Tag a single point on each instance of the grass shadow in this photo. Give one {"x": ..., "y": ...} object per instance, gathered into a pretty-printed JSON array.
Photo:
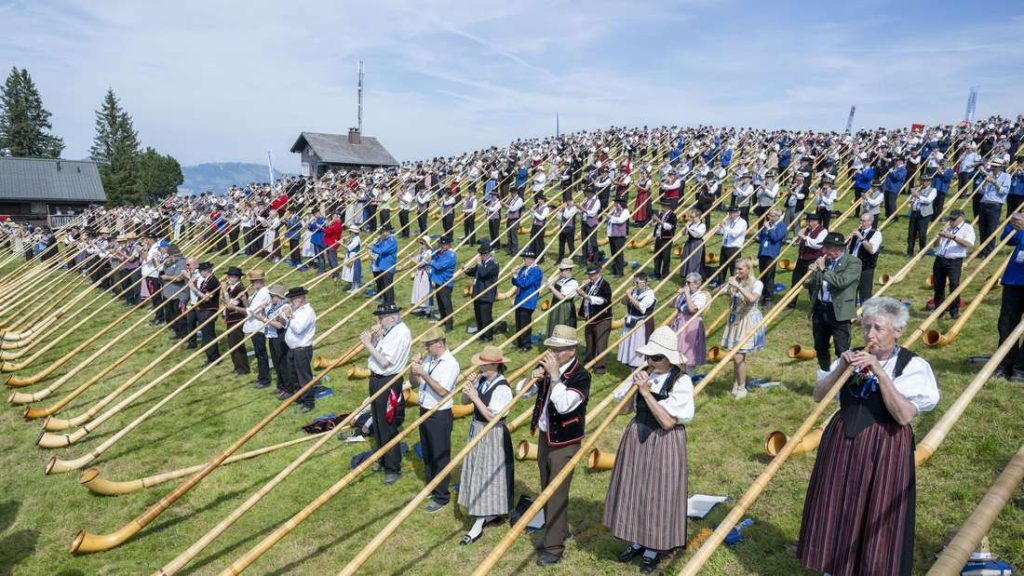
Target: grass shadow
[{"x": 16, "y": 547}]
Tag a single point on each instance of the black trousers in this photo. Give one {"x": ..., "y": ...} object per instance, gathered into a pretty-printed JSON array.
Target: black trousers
[
  {"x": 724, "y": 254},
  {"x": 891, "y": 201},
  {"x": 384, "y": 216},
  {"x": 448, "y": 223},
  {"x": 469, "y": 227},
  {"x": 385, "y": 289},
  {"x": 566, "y": 242},
  {"x": 300, "y": 372},
  {"x": 1010, "y": 312},
  {"x": 766, "y": 265},
  {"x": 596, "y": 333},
  {"x": 799, "y": 271},
  {"x": 259, "y": 346},
  {"x": 537, "y": 241},
  {"x": 662, "y": 257},
  {"x": 494, "y": 231},
  {"x": 857, "y": 193},
  {"x": 866, "y": 286},
  {"x": 179, "y": 320},
  {"x": 512, "y": 236},
  {"x": 279, "y": 356},
  {"x": 824, "y": 216},
  {"x": 294, "y": 254},
  {"x": 233, "y": 235},
  {"x": 236, "y": 343},
  {"x": 589, "y": 238},
  {"x": 421, "y": 220},
  {"x": 939, "y": 204},
  {"x": 988, "y": 224},
  {"x": 371, "y": 217},
  {"x": 946, "y": 270},
  {"x": 209, "y": 332},
  {"x": 524, "y": 318},
  {"x": 436, "y": 441},
  {"x": 443, "y": 299},
  {"x": 827, "y": 330},
  {"x": 403, "y": 223},
  {"x": 617, "y": 244},
  {"x": 383, "y": 430},
  {"x": 482, "y": 312},
  {"x": 918, "y": 230},
  {"x": 1013, "y": 202}
]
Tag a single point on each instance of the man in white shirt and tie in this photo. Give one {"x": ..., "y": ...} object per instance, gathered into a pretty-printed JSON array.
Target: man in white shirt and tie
[
  {"x": 387, "y": 344},
  {"x": 954, "y": 241},
  {"x": 299, "y": 338},
  {"x": 253, "y": 328},
  {"x": 436, "y": 375},
  {"x": 733, "y": 230}
]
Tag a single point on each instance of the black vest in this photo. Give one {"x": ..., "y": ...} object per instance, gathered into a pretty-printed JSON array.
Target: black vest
[
  {"x": 859, "y": 413},
  {"x": 485, "y": 397},
  {"x": 564, "y": 429},
  {"x": 867, "y": 259},
  {"x": 645, "y": 421}
]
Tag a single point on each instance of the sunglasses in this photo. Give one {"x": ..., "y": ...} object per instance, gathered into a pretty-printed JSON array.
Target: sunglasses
[{"x": 657, "y": 358}]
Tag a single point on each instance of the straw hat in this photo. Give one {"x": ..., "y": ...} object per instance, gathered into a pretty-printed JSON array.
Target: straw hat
[
  {"x": 562, "y": 337},
  {"x": 663, "y": 342},
  {"x": 432, "y": 334},
  {"x": 565, "y": 264},
  {"x": 276, "y": 290},
  {"x": 489, "y": 355},
  {"x": 256, "y": 274}
]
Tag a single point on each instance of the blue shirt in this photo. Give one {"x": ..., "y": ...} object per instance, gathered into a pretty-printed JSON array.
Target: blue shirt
[
  {"x": 862, "y": 179},
  {"x": 784, "y": 159},
  {"x": 385, "y": 254},
  {"x": 1017, "y": 184},
  {"x": 442, "y": 268},
  {"x": 894, "y": 180},
  {"x": 770, "y": 241},
  {"x": 317, "y": 228},
  {"x": 726, "y": 158},
  {"x": 1014, "y": 274},
  {"x": 528, "y": 280},
  {"x": 521, "y": 176},
  {"x": 294, "y": 225},
  {"x": 941, "y": 180},
  {"x": 996, "y": 193}
]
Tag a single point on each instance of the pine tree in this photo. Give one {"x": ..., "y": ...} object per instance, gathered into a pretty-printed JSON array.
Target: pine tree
[
  {"x": 159, "y": 176},
  {"x": 24, "y": 123},
  {"x": 116, "y": 148}
]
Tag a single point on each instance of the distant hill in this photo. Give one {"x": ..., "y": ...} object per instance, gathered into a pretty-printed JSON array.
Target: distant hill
[{"x": 219, "y": 176}]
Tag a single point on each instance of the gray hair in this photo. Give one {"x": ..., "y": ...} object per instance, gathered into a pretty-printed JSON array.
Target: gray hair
[
  {"x": 889, "y": 308},
  {"x": 694, "y": 277}
]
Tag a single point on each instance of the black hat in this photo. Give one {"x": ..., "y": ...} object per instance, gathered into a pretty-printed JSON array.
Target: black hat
[
  {"x": 733, "y": 207},
  {"x": 485, "y": 247},
  {"x": 234, "y": 271},
  {"x": 667, "y": 202},
  {"x": 206, "y": 266},
  {"x": 444, "y": 239},
  {"x": 593, "y": 268},
  {"x": 812, "y": 216},
  {"x": 528, "y": 254},
  {"x": 385, "y": 309},
  {"x": 834, "y": 239},
  {"x": 387, "y": 227},
  {"x": 621, "y": 200},
  {"x": 954, "y": 214},
  {"x": 295, "y": 292}
]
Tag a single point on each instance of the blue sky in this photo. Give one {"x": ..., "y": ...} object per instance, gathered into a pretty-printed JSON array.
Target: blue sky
[{"x": 226, "y": 81}]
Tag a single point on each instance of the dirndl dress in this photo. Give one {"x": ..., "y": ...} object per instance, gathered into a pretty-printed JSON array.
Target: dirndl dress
[
  {"x": 486, "y": 486},
  {"x": 693, "y": 344},
  {"x": 694, "y": 246},
  {"x": 352, "y": 272},
  {"x": 564, "y": 313},
  {"x": 421, "y": 282},
  {"x": 743, "y": 316},
  {"x": 633, "y": 340}
]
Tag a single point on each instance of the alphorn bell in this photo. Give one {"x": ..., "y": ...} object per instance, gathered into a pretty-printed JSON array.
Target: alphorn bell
[
  {"x": 358, "y": 373},
  {"x": 787, "y": 265},
  {"x": 798, "y": 352},
  {"x": 526, "y": 450},
  {"x": 777, "y": 440},
  {"x": 599, "y": 461}
]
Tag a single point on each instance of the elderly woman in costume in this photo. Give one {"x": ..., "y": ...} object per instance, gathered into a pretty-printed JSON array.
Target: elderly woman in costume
[
  {"x": 688, "y": 322},
  {"x": 486, "y": 486},
  {"x": 646, "y": 501},
  {"x": 352, "y": 268},
  {"x": 640, "y": 302},
  {"x": 744, "y": 291},
  {"x": 859, "y": 512},
  {"x": 563, "y": 289},
  {"x": 422, "y": 304}
]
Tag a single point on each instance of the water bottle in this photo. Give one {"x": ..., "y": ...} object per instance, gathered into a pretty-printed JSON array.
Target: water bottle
[{"x": 735, "y": 534}]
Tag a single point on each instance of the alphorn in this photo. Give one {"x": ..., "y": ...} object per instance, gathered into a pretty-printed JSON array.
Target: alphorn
[{"x": 955, "y": 555}]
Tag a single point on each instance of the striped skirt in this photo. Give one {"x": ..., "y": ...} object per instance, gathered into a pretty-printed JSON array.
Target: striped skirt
[
  {"x": 646, "y": 501},
  {"x": 859, "y": 512},
  {"x": 486, "y": 488}
]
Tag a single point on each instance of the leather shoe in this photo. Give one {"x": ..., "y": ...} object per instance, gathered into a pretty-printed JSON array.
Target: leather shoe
[
  {"x": 649, "y": 563},
  {"x": 548, "y": 559},
  {"x": 1017, "y": 377},
  {"x": 390, "y": 478},
  {"x": 630, "y": 553}
]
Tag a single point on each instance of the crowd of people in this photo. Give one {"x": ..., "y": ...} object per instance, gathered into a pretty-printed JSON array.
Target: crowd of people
[{"x": 589, "y": 189}]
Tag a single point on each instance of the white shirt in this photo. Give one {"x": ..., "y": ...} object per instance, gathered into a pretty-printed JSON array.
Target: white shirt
[
  {"x": 540, "y": 214},
  {"x": 872, "y": 245},
  {"x": 766, "y": 194},
  {"x": 568, "y": 288},
  {"x": 258, "y": 300},
  {"x": 917, "y": 383},
  {"x": 393, "y": 345},
  {"x": 500, "y": 398},
  {"x": 564, "y": 399},
  {"x": 444, "y": 371},
  {"x": 301, "y": 327},
  {"x": 645, "y": 299},
  {"x": 516, "y": 204},
  {"x": 679, "y": 403},
  {"x": 815, "y": 242},
  {"x": 826, "y": 198},
  {"x": 733, "y": 232},
  {"x": 949, "y": 249},
  {"x": 872, "y": 204},
  {"x": 696, "y": 230}
]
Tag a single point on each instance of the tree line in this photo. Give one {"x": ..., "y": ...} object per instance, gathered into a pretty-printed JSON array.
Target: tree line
[{"x": 130, "y": 174}]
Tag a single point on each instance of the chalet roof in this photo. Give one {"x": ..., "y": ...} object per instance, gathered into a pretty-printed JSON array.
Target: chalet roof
[
  {"x": 337, "y": 149},
  {"x": 49, "y": 180}
]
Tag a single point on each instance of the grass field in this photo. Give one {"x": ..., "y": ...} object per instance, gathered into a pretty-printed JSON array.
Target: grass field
[{"x": 40, "y": 514}]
